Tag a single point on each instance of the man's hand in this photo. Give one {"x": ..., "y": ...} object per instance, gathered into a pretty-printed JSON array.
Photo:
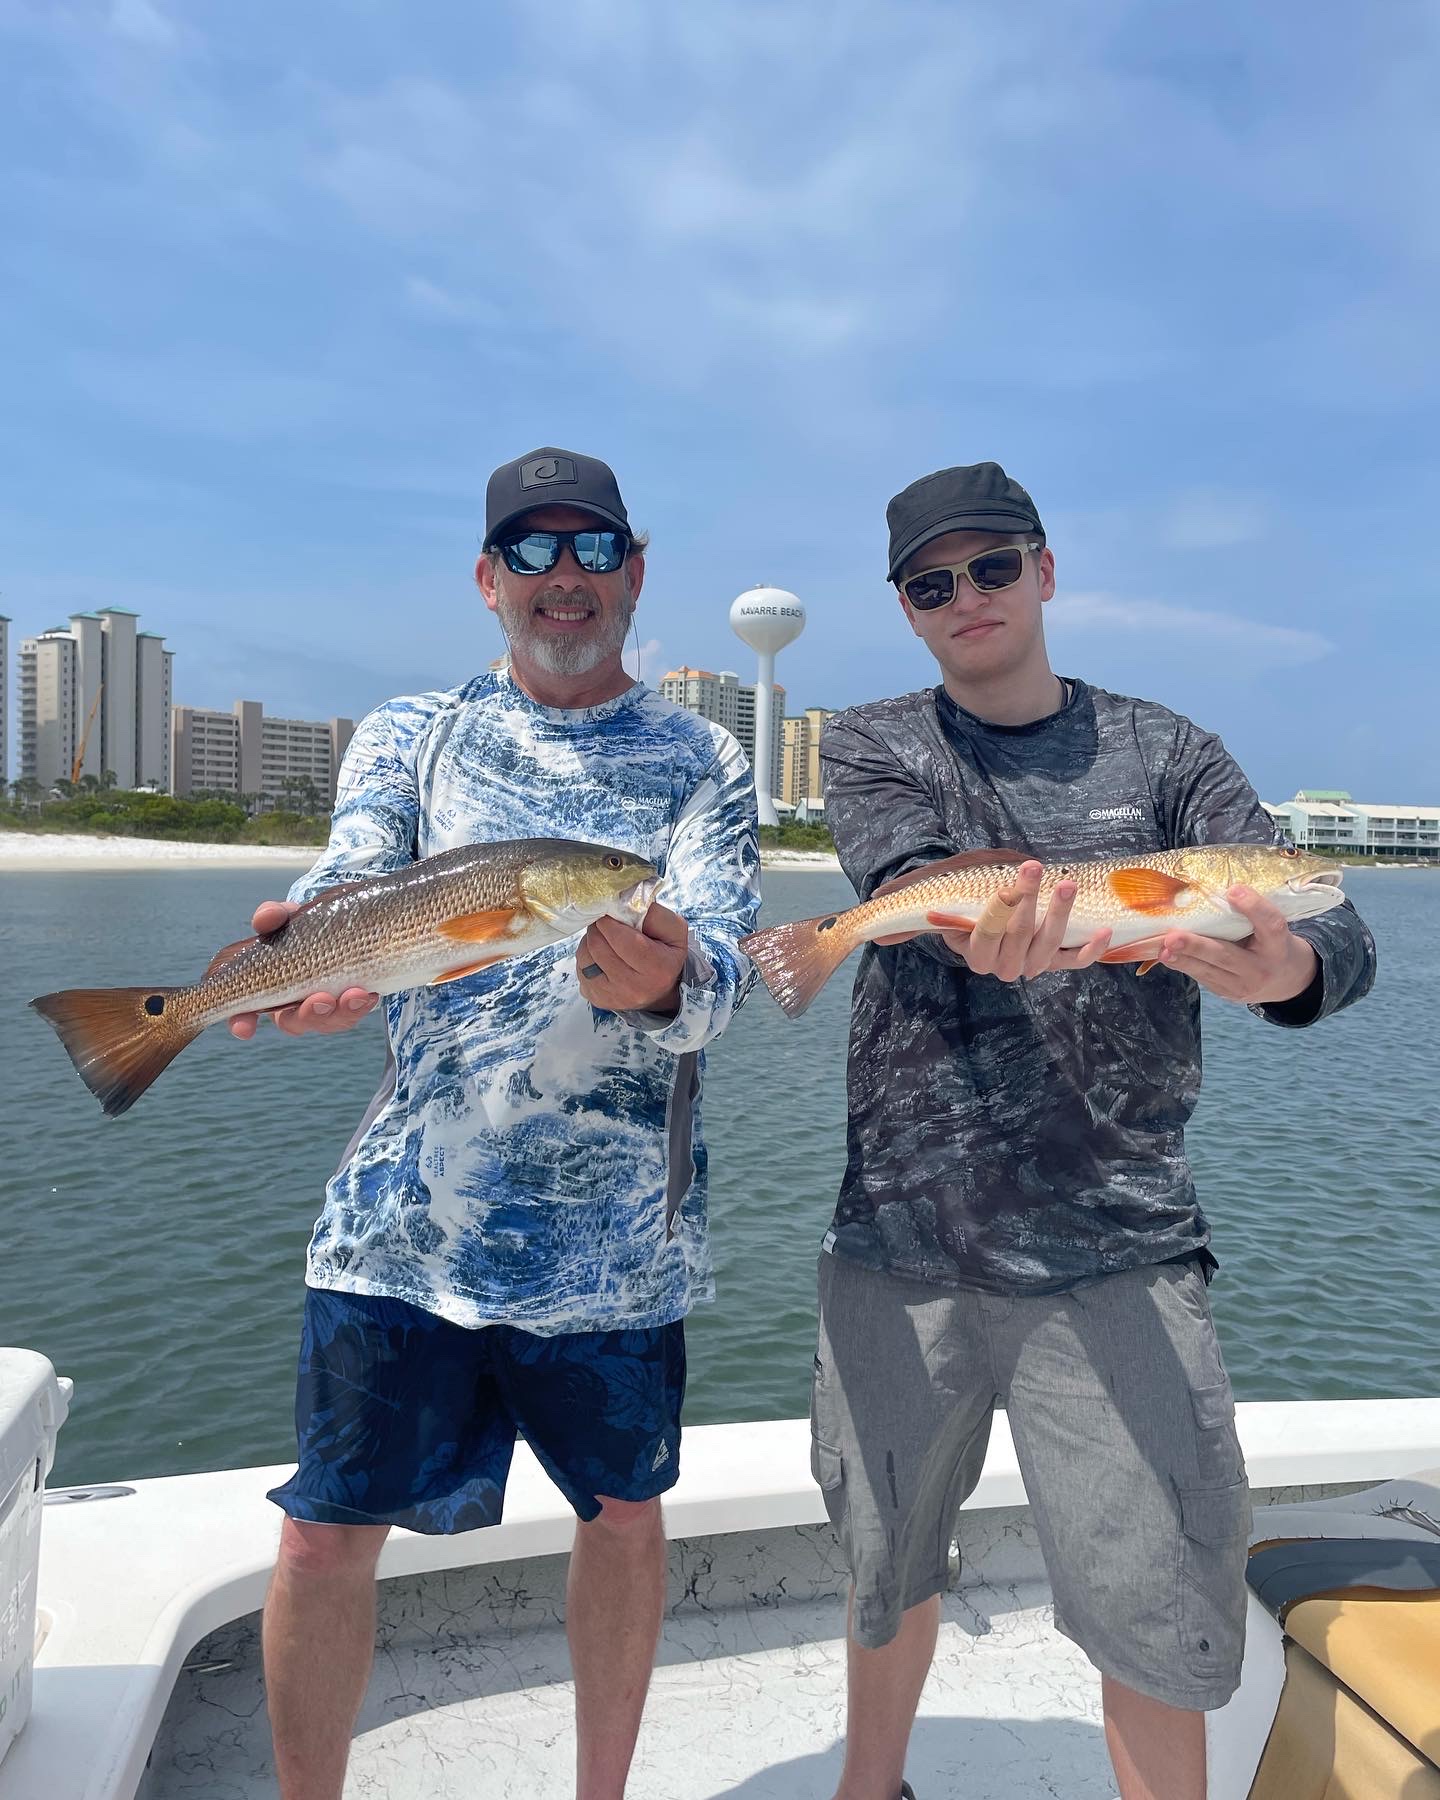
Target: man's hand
[
  {"x": 1272, "y": 965},
  {"x": 1006, "y": 942},
  {"x": 624, "y": 968},
  {"x": 316, "y": 1012}
]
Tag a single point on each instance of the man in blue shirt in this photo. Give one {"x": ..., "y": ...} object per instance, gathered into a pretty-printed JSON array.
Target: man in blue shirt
[{"x": 519, "y": 1226}]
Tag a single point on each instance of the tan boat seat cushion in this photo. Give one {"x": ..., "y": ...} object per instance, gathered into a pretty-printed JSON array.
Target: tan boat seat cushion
[{"x": 1386, "y": 1649}]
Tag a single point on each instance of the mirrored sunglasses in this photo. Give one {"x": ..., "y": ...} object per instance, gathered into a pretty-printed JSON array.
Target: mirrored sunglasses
[{"x": 537, "y": 552}]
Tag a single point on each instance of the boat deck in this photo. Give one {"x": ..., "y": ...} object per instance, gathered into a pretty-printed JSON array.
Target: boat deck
[{"x": 471, "y": 1693}]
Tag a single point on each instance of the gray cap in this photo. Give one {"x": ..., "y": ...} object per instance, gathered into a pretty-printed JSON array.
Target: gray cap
[{"x": 974, "y": 497}]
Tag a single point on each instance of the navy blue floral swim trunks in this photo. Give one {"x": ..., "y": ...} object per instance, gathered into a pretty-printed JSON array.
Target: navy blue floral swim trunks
[{"x": 405, "y": 1419}]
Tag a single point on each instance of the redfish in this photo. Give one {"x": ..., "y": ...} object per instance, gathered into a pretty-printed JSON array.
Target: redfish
[
  {"x": 434, "y": 921},
  {"x": 1139, "y": 898}
]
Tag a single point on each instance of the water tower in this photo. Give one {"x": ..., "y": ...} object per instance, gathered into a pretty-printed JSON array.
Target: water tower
[{"x": 767, "y": 619}]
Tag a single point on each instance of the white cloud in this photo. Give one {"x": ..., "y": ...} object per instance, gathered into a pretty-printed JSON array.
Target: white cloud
[
  {"x": 644, "y": 661},
  {"x": 1205, "y": 518},
  {"x": 1249, "y": 642}
]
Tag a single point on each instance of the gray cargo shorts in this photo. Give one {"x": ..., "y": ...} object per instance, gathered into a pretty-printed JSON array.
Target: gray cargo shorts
[{"x": 1124, "y": 1427}]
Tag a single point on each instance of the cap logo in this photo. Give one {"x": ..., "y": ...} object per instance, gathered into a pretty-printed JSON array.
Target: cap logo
[{"x": 542, "y": 471}]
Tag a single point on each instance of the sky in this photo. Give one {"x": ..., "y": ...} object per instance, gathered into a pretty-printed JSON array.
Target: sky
[{"x": 282, "y": 284}]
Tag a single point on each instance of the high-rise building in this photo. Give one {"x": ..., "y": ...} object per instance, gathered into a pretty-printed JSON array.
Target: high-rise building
[
  {"x": 4, "y": 705},
  {"x": 726, "y": 700},
  {"x": 244, "y": 753},
  {"x": 802, "y": 779},
  {"x": 94, "y": 700}
]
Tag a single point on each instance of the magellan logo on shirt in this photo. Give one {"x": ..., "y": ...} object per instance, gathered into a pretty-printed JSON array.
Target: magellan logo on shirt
[{"x": 1110, "y": 813}]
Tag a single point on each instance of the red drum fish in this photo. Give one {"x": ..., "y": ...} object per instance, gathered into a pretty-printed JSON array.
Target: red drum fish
[
  {"x": 434, "y": 921},
  {"x": 1139, "y": 898}
]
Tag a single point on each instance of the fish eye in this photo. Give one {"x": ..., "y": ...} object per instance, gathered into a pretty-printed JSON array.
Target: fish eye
[
  {"x": 614, "y": 862},
  {"x": 1290, "y": 851}
]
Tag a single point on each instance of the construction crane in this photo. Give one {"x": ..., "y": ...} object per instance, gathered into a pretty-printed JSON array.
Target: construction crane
[{"x": 85, "y": 735}]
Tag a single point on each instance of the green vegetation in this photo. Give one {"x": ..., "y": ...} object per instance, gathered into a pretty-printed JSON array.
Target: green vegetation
[
  {"x": 98, "y": 808},
  {"x": 796, "y": 837}
]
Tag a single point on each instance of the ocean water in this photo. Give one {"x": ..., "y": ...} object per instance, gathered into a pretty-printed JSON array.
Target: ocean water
[{"x": 158, "y": 1258}]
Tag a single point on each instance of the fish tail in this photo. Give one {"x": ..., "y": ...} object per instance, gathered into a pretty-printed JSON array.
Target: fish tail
[
  {"x": 795, "y": 961},
  {"x": 119, "y": 1039}
]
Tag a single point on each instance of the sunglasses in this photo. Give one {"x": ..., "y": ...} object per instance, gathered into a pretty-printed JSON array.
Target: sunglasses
[
  {"x": 537, "y": 552},
  {"x": 988, "y": 571}
]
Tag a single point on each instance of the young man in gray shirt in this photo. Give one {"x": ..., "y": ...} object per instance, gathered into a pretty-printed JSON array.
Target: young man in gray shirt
[{"x": 1017, "y": 1223}]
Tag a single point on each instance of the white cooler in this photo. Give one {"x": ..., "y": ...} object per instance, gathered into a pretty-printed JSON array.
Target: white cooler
[{"x": 33, "y": 1405}]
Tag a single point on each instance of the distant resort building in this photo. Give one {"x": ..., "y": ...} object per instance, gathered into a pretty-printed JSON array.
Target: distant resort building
[
  {"x": 802, "y": 786},
  {"x": 95, "y": 700},
  {"x": 725, "y": 700},
  {"x": 275, "y": 762},
  {"x": 1328, "y": 819},
  {"x": 4, "y": 705}
]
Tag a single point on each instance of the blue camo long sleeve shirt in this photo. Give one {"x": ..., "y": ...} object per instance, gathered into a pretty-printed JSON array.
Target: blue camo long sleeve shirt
[{"x": 531, "y": 1159}]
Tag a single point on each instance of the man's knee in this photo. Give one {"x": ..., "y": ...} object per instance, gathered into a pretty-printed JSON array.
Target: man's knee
[
  {"x": 627, "y": 1520},
  {"x": 310, "y": 1552}
]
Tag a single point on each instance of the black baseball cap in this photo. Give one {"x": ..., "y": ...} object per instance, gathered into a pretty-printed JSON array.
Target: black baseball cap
[
  {"x": 551, "y": 477},
  {"x": 975, "y": 497}
]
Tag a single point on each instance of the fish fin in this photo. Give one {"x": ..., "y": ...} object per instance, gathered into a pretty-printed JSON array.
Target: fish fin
[
  {"x": 1147, "y": 890},
  {"x": 468, "y": 969},
  {"x": 479, "y": 927},
  {"x": 968, "y": 859},
  {"x": 795, "y": 961},
  {"x": 1147, "y": 966},
  {"x": 943, "y": 921},
  {"x": 1142, "y": 950},
  {"x": 228, "y": 952},
  {"x": 119, "y": 1039}
]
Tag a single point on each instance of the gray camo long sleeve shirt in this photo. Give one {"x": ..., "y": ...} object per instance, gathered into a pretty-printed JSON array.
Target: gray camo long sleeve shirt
[{"x": 1022, "y": 1138}]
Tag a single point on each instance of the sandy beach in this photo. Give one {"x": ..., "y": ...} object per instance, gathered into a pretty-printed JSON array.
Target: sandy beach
[
  {"x": 50, "y": 853},
  {"x": 57, "y": 852}
]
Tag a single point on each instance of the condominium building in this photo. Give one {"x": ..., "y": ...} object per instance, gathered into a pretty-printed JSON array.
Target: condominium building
[
  {"x": 4, "y": 705},
  {"x": 95, "y": 700},
  {"x": 1328, "y": 819},
  {"x": 802, "y": 784},
  {"x": 243, "y": 752},
  {"x": 726, "y": 700}
]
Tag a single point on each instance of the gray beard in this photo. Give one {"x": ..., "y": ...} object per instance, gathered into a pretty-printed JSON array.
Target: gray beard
[{"x": 569, "y": 653}]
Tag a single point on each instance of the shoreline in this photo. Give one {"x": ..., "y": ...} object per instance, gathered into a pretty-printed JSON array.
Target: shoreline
[{"x": 56, "y": 853}]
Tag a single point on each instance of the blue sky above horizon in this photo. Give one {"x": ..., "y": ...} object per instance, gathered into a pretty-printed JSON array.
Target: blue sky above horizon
[{"x": 282, "y": 284}]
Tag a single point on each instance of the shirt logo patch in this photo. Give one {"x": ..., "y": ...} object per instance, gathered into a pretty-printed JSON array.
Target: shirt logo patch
[
  {"x": 1108, "y": 814},
  {"x": 541, "y": 471},
  {"x": 662, "y": 1456}
]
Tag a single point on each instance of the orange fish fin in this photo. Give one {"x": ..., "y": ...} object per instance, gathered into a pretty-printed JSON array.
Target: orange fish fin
[
  {"x": 1142, "y": 951},
  {"x": 469, "y": 969},
  {"x": 119, "y": 1039},
  {"x": 480, "y": 927},
  {"x": 1146, "y": 967},
  {"x": 968, "y": 859},
  {"x": 795, "y": 961},
  {"x": 227, "y": 952},
  {"x": 944, "y": 921},
  {"x": 1146, "y": 890}
]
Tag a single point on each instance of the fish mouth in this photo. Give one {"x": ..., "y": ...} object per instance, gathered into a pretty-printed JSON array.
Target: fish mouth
[
  {"x": 637, "y": 898},
  {"x": 1326, "y": 878}
]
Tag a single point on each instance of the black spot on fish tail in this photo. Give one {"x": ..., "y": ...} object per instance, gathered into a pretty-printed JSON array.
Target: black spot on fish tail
[
  {"x": 154, "y": 1005},
  {"x": 827, "y": 924}
]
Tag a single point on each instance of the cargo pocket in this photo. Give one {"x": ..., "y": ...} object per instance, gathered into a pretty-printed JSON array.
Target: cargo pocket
[
  {"x": 1214, "y": 1536},
  {"x": 828, "y": 1468},
  {"x": 1218, "y": 1458}
]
